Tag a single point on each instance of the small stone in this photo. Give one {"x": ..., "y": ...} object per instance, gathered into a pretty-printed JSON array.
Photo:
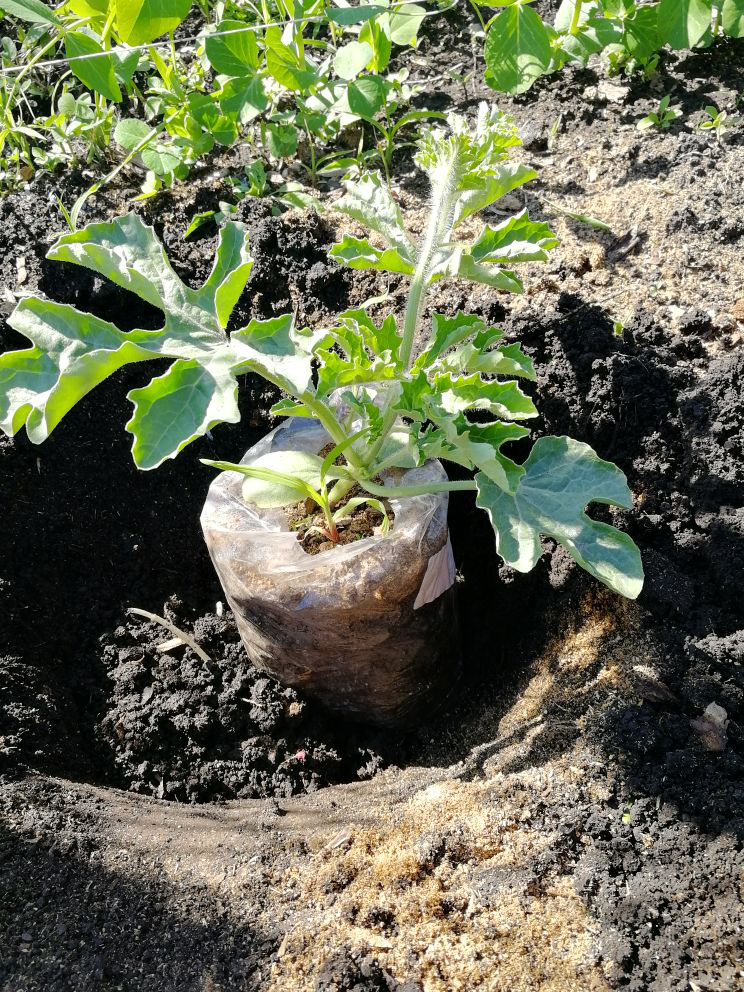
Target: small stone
[{"x": 612, "y": 92}]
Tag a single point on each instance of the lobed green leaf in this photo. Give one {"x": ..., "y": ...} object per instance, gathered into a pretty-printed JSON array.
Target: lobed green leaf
[{"x": 561, "y": 476}]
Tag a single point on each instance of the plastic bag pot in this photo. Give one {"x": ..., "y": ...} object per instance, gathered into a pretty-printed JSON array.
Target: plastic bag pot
[{"x": 369, "y": 628}]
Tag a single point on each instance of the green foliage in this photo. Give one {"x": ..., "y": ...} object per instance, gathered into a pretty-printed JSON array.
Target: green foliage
[
  {"x": 520, "y": 47},
  {"x": 661, "y": 118},
  {"x": 73, "y": 351},
  {"x": 719, "y": 121},
  {"x": 389, "y": 394},
  {"x": 304, "y": 79}
]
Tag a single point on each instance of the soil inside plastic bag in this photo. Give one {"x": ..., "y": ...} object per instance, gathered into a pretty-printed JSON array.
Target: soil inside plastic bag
[
  {"x": 308, "y": 521},
  {"x": 369, "y": 629}
]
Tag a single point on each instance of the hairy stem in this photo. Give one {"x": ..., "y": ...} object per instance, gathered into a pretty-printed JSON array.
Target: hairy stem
[{"x": 443, "y": 199}]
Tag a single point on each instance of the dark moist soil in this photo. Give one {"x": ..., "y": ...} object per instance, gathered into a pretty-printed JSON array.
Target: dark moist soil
[
  {"x": 647, "y": 828},
  {"x": 364, "y": 521}
]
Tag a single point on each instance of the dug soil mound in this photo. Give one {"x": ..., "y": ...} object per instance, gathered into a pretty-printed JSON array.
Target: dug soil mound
[{"x": 574, "y": 818}]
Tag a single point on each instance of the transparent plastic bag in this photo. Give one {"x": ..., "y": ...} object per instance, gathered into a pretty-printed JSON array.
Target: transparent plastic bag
[{"x": 368, "y": 628}]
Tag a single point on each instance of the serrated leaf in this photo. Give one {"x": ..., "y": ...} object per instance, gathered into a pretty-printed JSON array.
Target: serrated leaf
[
  {"x": 370, "y": 201},
  {"x": 289, "y": 407},
  {"x": 461, "y": 264},
  {"x": 98, "y": 73},
  {"x": 482, "y": 191},
  {"x": 74, "y": 351},
  {"x": 140, "y": 21},
  {"x": 517, "y": 49},
  {"x": 366, "y": 418},
  {"x": 336, "y": 372},
  {"x": 507, "y": 359},
  {"x": 561, "y": 477},
  {"x": 517, "y": 239},
  {"x": 455, "y": 394},
  {"x": 476, "y": 446},
  {"x": 683, "y": 23},
  {"x": 447, "y": 332},
  {"x": 358, "y": 253},
  {"x": 277, "y": 350},
  {"x": 233, "y": 49},
  {"x": 357, "y": 331}
]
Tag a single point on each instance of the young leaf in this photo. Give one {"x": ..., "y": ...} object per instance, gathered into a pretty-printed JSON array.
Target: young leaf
[
  {"x": 140, "y": 21},
  {"x": 371, "y": 202},
  {"x": 561, "y": 476},
  {"x": 732, "y": 18},
  {"x": 73, "y": 351},
  {"x": 348, "y": 16},
  {"x": 96, "y": 73},
  {"x": 243, "y": 98},
  {"x": 348, "y": 508},
  {"x": 517, "y": 49},
  {"x": 34, "y": 11},
  {"x": 366, "y": 96},
  {"x": 405, "y": 22},
  {"x": 351, "y": 59},
  {"x": 286, "y": 64},
  {"x": 517, "y": 239},
  {"x": 278, "y": 478},
  {"x": 233, "y": 50}
]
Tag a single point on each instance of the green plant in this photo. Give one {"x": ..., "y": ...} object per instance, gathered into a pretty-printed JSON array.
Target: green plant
[
  {"x": 520, "y": 47},
  {"x": 719, "y": 121},
  {"x": 302, "y": 476},
  {"x": 387, "y": 398},
  {"x": 660, "y": 118}
]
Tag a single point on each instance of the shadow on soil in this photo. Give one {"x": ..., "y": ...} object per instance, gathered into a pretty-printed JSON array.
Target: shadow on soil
[{"x": 69, "y": 923}]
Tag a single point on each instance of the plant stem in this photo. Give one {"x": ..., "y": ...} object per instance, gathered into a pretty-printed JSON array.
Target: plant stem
[
  {"x": 576, "y": 17},
  {"x": 327, "y": 418},
  {"x": 437, "y": 233},
  {"x": 341, "y": 488},
  {"x": 399, "y": 492}
]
